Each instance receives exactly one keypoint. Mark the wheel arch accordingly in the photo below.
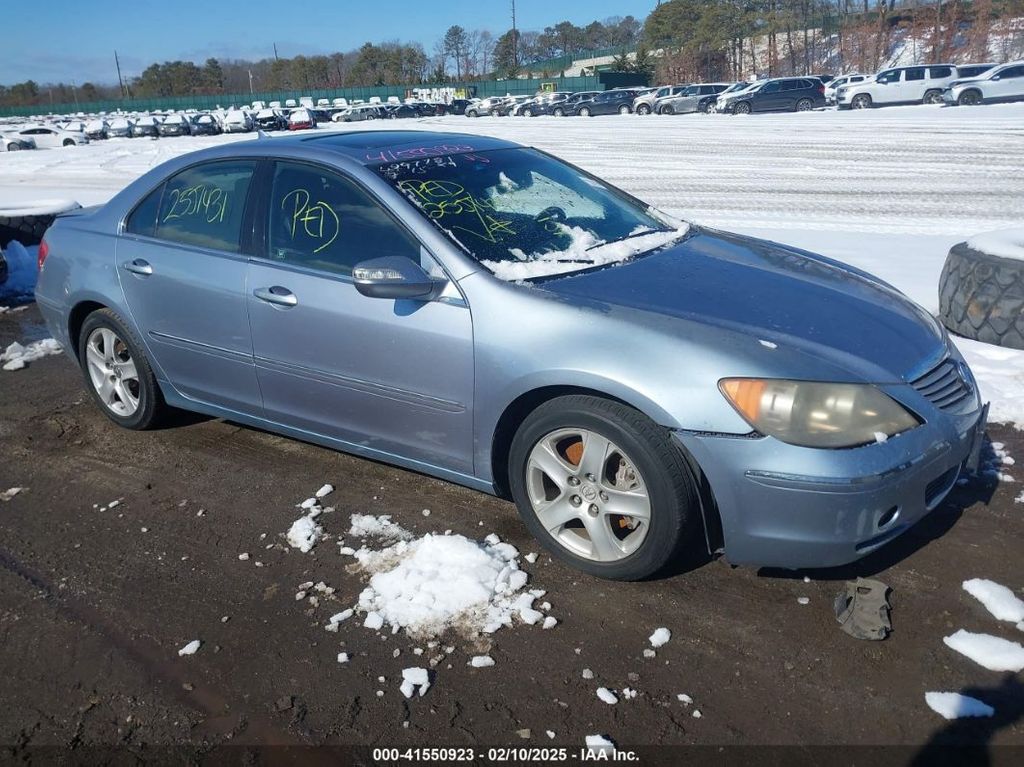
(76, 318)
(527, 402)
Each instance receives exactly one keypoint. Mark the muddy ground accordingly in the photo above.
(95, 604)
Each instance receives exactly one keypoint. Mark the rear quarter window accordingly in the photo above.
(142, 220)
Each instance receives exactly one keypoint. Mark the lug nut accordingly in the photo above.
(593, 510)
(603, 495)
(575, 500)
(591, 478)
(574, 481)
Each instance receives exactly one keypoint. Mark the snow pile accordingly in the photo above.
(953, 705)
(16, 356)
(304, 533)
(1006, 243)
(438, 582)
(190, 648)
(369, 526)
(986, 650)
(583, 252)
(1000, 375)
(998, 600)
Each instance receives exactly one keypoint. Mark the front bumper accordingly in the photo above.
(793, 507)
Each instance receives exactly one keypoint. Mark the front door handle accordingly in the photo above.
(138, 266)
(276, 295)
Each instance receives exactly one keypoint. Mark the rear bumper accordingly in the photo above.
(793, 507)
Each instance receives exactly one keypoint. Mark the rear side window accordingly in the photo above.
(913, 74)
(203, 206)
(937, 72)
(142, 220)
(323, 221)
(791, 85)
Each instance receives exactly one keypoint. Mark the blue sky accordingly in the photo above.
(76, 39)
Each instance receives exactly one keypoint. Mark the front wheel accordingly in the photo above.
(624, 110)
(861, 101)
(117, 372)
(585, 112)
(69, 142)
(603, 487)
(969, 99)
(558, 112)
(668, 109)
(643, 109)
(743, 108)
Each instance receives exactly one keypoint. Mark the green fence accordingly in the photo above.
(482, 89)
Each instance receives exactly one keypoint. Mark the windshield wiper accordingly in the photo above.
(645, 233)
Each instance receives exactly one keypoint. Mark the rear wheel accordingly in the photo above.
(933, 97)
(804, 105)
(643, 109)
(558, 112)
(861, 101)
(117, 372)
(969, 99)
(584, 112)
(743, 108)
(13, 147)
(69, 142)
(624, 110)
(603, 487)
(527, 113)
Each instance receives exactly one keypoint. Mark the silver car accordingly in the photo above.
(485, 313)
(693, 98)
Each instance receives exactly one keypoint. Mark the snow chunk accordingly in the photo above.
(304, 533)
(549, 622)
(660, 637)
(440, 581)
(369, 526)
(9, 493)
(481, 661)
(953, 705)
(991, 652)
(607, 696)
(324, 491)
(999, 600)
(343, 657)
(413, 678)
(684, 698)
(16, 356)
(190, 648)
(803, 600)
(599, 743)
(1005, 243)
(373, 621)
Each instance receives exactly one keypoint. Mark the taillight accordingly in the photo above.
(44, 251)
(821, 89)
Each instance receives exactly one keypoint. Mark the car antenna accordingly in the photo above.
(261, 134)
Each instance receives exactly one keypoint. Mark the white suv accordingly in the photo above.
(1004, 83)
(900, 85)
(836, 83)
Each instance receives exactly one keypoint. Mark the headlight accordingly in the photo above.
(823, 415)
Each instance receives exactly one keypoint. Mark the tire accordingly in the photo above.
(69, 142)
(932, 97)
(743, 108)
(982, 297)
(472, 113)
(558, 112)
(861, 101)
(969, 98)
(527, 113)
(625, 110)
(704, 107)
(668, 109)
(28, 225)
(100, 327)
(584, 112)
(656, 470)
(13, 147)
(804, 105)
(643, 109)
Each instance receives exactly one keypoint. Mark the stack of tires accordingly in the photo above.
(28, 224)
(981, 295)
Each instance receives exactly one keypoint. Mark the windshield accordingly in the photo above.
(523, 214)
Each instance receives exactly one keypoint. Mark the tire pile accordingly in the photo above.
(981, 296)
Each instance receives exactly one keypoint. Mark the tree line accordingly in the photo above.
(680, 41)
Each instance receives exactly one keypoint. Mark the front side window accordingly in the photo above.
(889, 76)
(1011, 73)
(772, 87)
(203, 206)
(322, 221)
(510, 207)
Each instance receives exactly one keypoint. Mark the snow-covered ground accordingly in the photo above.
(887, 190)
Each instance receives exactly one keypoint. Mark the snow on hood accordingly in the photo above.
(1005, 243)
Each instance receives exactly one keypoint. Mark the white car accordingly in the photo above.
(899, 85)
(237, 121)
(1003, 83)
(50, 137)
(12, 143)
(836, 83)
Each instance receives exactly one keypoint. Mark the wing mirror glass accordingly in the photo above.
(394, 277)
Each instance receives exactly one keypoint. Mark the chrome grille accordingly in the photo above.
(943, 385)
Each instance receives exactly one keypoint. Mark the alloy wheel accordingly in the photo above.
(112, 372)
(588, 494)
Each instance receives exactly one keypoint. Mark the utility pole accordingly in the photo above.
(275, 52)
(250, 82)
(120, 82)
(515, 39)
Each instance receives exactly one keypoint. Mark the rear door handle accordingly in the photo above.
(138, 266)
(276, 295)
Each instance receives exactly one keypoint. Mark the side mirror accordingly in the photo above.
(393, 277)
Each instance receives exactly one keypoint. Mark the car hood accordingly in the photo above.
(791, 299)
(967, 81)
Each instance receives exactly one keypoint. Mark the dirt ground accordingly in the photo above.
(95, 604)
